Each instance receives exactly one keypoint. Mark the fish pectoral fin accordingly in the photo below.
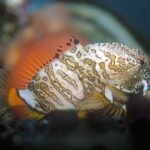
(109, 110)
(108, 94)
(97, 102)
(114, 110)
(117, 98)
(116, 93)
(93, 101)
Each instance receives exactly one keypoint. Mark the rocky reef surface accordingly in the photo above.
(64, 130)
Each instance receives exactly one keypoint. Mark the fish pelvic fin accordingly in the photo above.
(99, 104)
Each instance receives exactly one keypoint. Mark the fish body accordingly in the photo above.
(80, 78)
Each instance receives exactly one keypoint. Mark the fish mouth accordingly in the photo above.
(146, 87)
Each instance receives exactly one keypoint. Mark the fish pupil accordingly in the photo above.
(142, 62)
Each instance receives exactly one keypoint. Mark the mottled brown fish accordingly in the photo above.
(66, 75)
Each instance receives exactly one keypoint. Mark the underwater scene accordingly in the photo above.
(75, 74)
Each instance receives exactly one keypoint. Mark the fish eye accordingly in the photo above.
(142, 62)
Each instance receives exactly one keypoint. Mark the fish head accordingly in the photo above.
(125, 68)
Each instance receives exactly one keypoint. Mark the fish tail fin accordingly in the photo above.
(11, 106)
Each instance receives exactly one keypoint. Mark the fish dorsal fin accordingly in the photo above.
(37, 56)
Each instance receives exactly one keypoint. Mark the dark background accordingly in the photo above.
(134, 13)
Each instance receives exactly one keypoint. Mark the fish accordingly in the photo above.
(61, 73)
